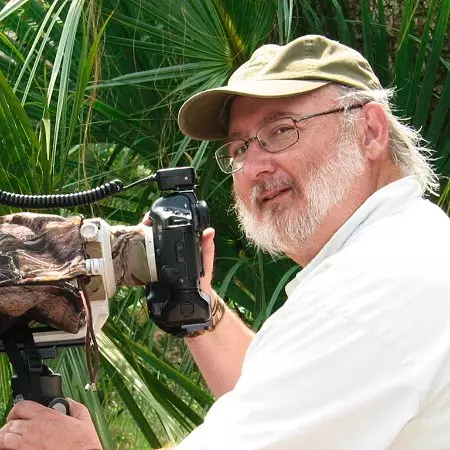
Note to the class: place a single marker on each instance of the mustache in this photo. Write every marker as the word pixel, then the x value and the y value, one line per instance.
pixel 270 184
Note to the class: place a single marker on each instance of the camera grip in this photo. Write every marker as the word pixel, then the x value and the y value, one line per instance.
pixel 178 312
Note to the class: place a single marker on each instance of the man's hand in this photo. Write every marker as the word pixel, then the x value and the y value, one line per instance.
pixel 32 426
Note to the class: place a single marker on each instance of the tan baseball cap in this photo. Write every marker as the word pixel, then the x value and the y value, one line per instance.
pixel 275 71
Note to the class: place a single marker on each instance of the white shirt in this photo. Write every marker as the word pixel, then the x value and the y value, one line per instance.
pixel 358 358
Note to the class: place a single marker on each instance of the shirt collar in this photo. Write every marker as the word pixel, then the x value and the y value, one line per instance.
pixel 386 201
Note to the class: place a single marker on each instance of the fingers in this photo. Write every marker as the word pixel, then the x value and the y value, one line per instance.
pixel 16 427
pixel 78 411
pixel 26 410
pixel 10 441
pixel 147 220
pixel 34 427
pixel 207 243
pixel 11 435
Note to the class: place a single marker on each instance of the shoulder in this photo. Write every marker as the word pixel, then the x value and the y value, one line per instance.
pixel 390 280
pixel 403 250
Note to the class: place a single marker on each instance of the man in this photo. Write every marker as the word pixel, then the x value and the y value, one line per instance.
pixel 359 355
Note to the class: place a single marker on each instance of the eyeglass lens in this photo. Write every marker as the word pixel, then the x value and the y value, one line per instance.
pixel 274 137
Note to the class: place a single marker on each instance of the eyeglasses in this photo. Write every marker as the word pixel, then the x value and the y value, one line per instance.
pixel 273 137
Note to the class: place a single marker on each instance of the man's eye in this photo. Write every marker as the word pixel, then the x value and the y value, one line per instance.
pixel 282 130
pixel 238 151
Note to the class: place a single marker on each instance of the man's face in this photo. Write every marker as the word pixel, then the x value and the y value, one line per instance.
pixel 282 198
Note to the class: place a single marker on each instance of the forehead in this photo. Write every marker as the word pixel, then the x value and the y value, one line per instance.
pixel 249 112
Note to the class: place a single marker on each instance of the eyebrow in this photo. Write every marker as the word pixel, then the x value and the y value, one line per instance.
pixel 265 121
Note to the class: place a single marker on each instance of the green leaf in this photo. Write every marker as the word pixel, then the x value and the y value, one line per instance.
pixel 132 404
pixel 366 21
pixel 11 7
pixel 430 75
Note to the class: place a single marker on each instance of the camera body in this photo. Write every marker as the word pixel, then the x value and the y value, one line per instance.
pixel 175 302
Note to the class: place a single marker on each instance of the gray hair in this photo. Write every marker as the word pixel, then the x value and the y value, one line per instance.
pixel 408 147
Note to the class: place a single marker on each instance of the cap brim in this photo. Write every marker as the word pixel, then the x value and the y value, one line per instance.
pixel 201 116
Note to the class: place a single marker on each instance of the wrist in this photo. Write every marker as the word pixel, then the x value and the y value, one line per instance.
pixel 218 308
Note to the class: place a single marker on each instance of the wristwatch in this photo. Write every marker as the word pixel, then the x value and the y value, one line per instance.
pixel 217 313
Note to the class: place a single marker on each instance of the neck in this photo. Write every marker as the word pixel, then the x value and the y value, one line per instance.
pixel 329 226
pixel 338 215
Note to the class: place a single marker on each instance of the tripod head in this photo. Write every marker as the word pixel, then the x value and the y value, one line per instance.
pixel 32 379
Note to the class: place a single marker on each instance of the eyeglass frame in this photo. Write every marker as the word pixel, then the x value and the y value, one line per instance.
pixel 296 120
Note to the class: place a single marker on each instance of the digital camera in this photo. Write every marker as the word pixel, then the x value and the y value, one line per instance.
pixel 175 301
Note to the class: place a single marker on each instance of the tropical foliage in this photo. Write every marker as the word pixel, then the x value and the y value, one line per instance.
pixel 89 91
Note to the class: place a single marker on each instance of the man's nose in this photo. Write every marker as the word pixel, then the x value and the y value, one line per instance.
pixel 258 161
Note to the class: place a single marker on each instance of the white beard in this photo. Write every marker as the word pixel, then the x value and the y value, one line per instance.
pixel 282 231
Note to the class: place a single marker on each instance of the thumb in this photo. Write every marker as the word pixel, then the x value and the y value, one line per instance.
pixel 78 411
pixel 147 220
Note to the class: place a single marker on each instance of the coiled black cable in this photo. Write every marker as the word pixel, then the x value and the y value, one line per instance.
pixel 67 200
pixel 61 200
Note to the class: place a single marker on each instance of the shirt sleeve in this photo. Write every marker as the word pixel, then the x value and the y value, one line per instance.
pixel 313 380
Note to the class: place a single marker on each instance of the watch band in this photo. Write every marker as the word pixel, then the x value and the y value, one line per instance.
pixel 217 314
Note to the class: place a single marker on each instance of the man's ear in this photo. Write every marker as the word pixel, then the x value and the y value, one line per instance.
pixel 373 131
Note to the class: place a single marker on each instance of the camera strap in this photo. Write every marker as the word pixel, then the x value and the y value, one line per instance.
pixel 27 365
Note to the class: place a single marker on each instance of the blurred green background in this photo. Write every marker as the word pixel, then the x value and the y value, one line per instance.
pixel 89 92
